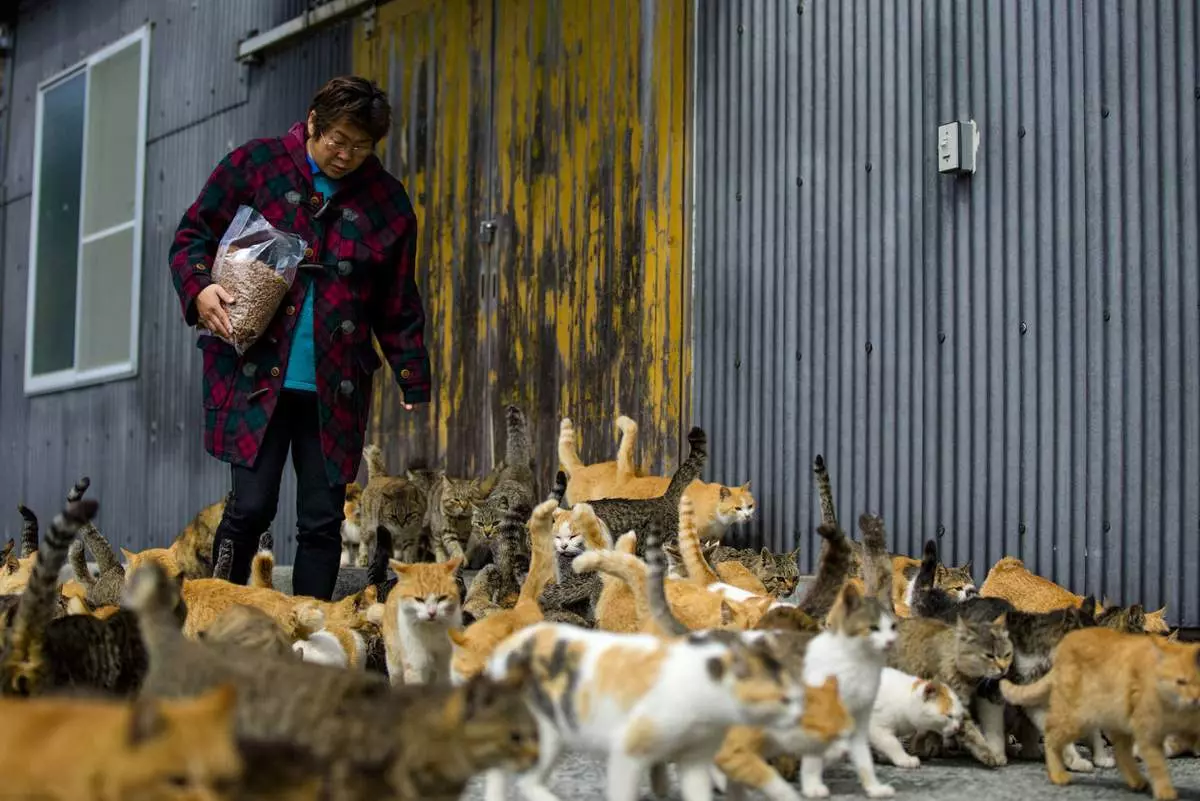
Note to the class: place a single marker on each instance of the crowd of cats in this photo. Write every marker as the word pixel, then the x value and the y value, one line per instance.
pixel 607 618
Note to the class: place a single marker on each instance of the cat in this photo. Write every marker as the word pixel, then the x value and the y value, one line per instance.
pixel 584 478
pixel 429 739
pixel 448 513
pixel 475 643
pixel 497 585
pixel 91 749
pixel 351 530
pixel 43 652
pixel 575 530
pixel 419 612
pixel 1129 619
pixel 641 700
pixel 776 573
pixel 253 629
pixel 1147 689
pixel 191 552
pixel 17 569
pixel 514 489
pixel 398 503
pixel 910 705
pixel 623 514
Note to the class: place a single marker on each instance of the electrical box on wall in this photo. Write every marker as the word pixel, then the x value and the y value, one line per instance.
pixel 958 143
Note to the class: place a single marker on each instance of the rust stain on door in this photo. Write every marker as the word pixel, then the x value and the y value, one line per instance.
pixel 565 124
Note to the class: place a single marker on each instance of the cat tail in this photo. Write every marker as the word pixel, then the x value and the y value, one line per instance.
pixel 626 469
pixel 373 456
pixel 824 491
pixel 517 451
pixel 923 585
pixel 690 470
pixel 101 548
pixel 877 565
pixel 596 536
pixel 698 569
pixel 568 453
pixel 76 492
pixel 832 572
pixel 624 567
pixel 1035 693
pixel 262 569
pixel 656 577
pixel 29 531
pixel 224 563
pixel 78 560
pixel 559 491
pixel 21 663
pixel 377 570
pixel 541 557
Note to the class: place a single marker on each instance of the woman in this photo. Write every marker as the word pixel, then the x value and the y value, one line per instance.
pixel 305 384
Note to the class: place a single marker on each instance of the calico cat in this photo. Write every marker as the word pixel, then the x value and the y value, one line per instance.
pixel 475 643
pixel 43 652
pixel 514 489
pixel 17 569
pixel 585 478
pixel 191 552
pixel 1146 690
pixel 428 740
pixel 398 503
pixel 72 749
pixel 351 524
pixel 641 700
pixel 622 514
pixel 417 617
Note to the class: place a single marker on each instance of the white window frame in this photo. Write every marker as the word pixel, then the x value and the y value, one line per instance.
pixel 72 378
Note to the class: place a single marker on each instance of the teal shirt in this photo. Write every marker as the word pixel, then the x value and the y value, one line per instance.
pixel 302 363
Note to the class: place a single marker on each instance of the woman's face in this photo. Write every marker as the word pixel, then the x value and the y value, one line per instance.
pixel 339 150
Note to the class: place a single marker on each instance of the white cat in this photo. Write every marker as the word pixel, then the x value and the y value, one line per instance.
pixel 906 704
pixel 640 700
pixel 854 646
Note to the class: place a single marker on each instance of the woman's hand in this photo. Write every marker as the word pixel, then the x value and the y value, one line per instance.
pixel 210 308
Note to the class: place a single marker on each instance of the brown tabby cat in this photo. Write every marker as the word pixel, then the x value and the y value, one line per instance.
pixel 515 488
pixel 448 513
pixel 428 740
pixel 398 503
pixel 71 749
pixel 1147 689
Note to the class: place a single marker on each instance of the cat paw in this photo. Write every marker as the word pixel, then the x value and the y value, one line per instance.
pixel 880 791
pixel 818 790
pixel 907 761
pixel 991 760
pixel 1104 761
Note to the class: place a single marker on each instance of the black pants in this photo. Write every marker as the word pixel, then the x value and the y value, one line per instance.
pixel 320 507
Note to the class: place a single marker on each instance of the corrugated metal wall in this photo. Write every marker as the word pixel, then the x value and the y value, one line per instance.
pixel 565 123
pixel 1013 357
pixel 140 440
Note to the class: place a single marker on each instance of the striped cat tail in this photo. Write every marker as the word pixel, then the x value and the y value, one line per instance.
pixel 568 453
pixel 690 470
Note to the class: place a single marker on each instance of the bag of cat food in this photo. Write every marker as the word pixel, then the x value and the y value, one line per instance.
pixel 256 263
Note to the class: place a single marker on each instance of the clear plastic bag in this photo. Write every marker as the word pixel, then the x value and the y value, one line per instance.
pixel 256 263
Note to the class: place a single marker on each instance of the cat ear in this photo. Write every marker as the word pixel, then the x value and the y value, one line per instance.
pixel 1001 620
pixel 726 613
pixel 766 553
pixel 400 567
pixel 746 487
pixel 453 565
pixel 145 721
pixel 725 493
pixel 1088 607
pixel 128 555
pixel 11 564
pixel 1137 616
pixel 929 692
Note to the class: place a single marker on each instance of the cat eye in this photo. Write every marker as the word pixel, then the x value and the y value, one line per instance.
pixel 1181 682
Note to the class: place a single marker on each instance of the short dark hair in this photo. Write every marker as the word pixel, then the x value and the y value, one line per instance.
pixel 357 99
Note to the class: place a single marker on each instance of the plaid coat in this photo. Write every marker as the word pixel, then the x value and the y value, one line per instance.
pixel 361 267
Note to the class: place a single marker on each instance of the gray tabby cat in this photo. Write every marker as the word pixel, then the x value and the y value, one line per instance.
pixel 779 572
pixel 427 741
pixel 448 513
pixel 398 503
pixel 623 514
pixel 498 584
pixel 515 488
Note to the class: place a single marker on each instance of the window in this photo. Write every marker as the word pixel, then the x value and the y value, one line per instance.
pixel 85 246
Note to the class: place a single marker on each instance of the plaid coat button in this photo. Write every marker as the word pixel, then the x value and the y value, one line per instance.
pixel 248 369
pixel 406 373
pixel 344 268
pixel 290 310
pixel 346 387
pixel 308 253
pixel 275 372
pixel 347 327
pixel 200 266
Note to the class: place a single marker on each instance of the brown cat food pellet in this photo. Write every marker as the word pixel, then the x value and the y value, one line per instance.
pixel 257 291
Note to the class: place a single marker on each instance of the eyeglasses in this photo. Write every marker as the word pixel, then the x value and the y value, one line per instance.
pixel 354 151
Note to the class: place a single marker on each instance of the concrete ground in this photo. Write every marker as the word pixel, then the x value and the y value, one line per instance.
pixel 579 778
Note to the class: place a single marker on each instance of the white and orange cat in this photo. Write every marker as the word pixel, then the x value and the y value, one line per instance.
pixel 418 615
pixel 640 700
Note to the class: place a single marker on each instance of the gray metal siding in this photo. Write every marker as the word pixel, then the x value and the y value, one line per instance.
pixel 1012 357
pixel 140 440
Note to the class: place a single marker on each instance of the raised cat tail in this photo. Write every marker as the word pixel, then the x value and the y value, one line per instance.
pixel 625 567
pixel 377 570
pixel 79 564
pixel 698 569
pixel 101 548
pixel 1035 693
pixel 832 571
pixel 21 661
pixel 568 453
pixel 373 456
pixel 626 469
pixel 224 563
pixel 29 531
pixel 824 492
pixel 262 569
pixel 690 470
pixel 76 492
pixel 541 558
pixel 656 576
pixel 517 452
pixel 877 565
pixel 559 491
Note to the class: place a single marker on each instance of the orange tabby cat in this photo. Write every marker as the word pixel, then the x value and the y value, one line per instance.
pixel 1011 580
pixel 1134 688
pixel 585 478
pixel 418 615
pixel 474 645
pixel 701 573
pixel 68 749
pixel 208 599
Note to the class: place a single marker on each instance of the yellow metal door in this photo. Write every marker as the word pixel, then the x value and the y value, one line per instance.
pixel 545 146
